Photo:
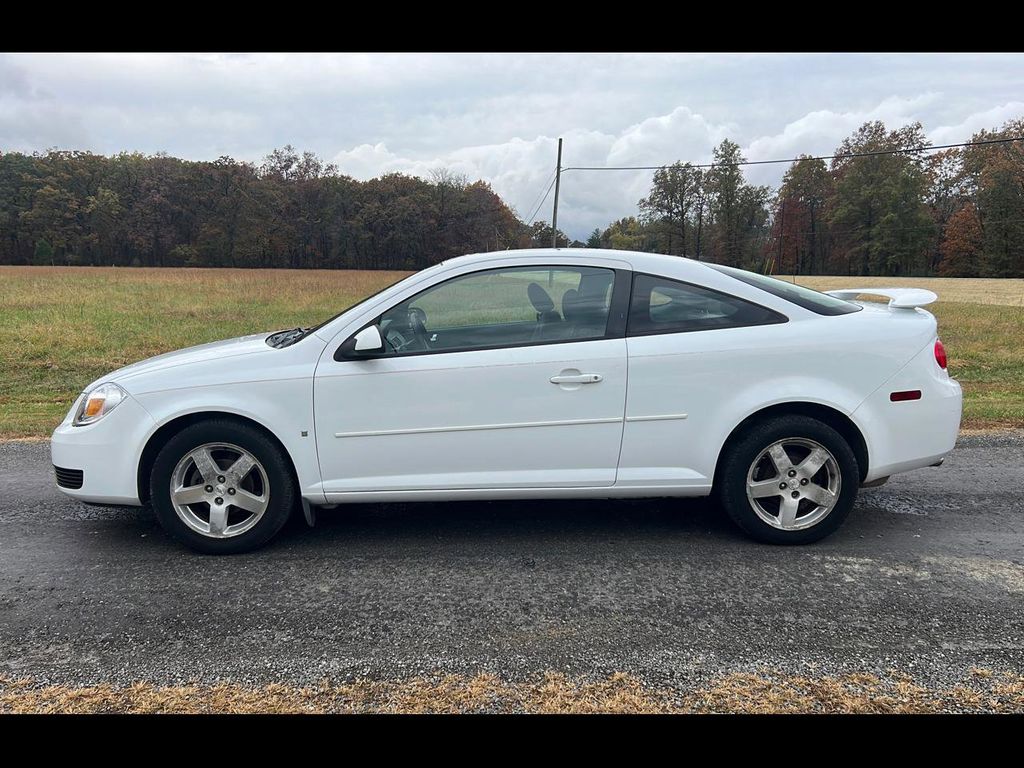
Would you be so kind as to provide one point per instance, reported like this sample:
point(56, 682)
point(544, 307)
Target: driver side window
point(502, 307)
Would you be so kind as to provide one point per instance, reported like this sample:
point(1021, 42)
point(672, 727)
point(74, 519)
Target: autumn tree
point(675, 209)
point(880, 223)
point(799, 234)
point(961, 244)
point(103, 211)
point(538, 235)
point(290, 210)
point(629, 234)
point(17, 187)
point(892, 210)
point(995, 177)
point(946, 194)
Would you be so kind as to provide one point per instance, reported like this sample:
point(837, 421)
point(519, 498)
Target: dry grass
point(65, 326)
point(985, 691)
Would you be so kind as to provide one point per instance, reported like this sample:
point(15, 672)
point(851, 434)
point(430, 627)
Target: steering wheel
point(418, 326)
point(409, 335)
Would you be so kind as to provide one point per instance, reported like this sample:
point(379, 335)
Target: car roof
point(640, 262)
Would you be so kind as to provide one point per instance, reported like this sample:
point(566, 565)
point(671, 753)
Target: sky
point(497, 117)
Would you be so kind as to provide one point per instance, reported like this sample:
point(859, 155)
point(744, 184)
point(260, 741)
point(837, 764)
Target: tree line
point(957, 212)
point(954, 213)
point(292, 210)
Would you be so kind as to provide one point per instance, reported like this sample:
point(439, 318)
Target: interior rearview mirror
point(367, 343)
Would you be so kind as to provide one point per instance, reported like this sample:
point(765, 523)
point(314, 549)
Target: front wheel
point(789, 480)
point(221, 487)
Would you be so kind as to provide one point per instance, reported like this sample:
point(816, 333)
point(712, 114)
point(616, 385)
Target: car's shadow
point(571, 520)
point(444, 526)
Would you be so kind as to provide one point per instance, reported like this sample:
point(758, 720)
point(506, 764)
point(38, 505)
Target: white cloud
point(520, 170)
point(820, 132)
point(679, 134)
point(496, 117)
point(989, 118)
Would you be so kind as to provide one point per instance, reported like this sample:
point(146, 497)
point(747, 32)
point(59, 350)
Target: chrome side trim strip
point(659, 417)
point(478, 427)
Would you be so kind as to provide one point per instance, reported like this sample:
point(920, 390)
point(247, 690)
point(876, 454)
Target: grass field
point(65, 326)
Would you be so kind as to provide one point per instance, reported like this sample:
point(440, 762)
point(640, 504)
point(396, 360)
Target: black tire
point(282, 492)
point(741, 453)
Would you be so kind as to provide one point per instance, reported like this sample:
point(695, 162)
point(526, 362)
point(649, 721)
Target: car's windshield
point(807, 298)
point(301, 333)
point(392, 284)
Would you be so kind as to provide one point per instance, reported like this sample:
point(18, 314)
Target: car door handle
point(577, 378)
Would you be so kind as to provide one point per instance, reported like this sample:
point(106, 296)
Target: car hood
point(214, 350)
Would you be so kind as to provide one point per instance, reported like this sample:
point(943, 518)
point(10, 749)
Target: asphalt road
point(927, 576)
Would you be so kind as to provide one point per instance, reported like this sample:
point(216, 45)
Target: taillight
point(940, 354)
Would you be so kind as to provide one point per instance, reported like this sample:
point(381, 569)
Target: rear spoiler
point(899, 298)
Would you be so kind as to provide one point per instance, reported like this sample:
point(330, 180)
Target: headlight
point(98, 403)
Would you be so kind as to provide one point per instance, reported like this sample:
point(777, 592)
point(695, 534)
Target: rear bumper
point(106, 453)
point(911, 434)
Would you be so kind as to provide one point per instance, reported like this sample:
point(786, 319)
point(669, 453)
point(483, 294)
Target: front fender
point(282, 407)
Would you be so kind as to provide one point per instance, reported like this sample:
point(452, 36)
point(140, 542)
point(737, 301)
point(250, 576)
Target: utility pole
point(782, 229)
point(554, 213)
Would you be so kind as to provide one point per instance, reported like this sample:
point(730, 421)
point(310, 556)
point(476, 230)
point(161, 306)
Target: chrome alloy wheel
point(220, 490)
point(793, 483)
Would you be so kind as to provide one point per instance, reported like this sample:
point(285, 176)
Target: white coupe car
point(548, 373)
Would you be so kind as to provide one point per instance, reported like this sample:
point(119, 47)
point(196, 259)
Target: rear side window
point(807, 298)
point(660, 305)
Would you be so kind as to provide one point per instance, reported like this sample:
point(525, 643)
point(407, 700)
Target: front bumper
point(107, 453)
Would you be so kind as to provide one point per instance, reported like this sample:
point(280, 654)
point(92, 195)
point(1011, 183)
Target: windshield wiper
point(286, 338)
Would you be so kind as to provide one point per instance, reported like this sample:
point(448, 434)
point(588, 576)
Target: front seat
point(587, 315)
point(571, 309)
point(548, 318)
point(589, 306)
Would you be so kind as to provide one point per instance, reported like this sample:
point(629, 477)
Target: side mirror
point(367, 343)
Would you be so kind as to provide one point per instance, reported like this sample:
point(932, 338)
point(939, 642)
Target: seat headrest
point(539, 298)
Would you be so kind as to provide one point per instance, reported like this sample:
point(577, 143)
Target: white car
point(568, 373)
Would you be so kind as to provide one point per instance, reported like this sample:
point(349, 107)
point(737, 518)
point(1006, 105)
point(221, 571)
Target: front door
point(504, 378)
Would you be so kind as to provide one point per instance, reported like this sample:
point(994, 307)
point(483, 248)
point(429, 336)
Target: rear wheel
point(221, 487)
point(789, 480)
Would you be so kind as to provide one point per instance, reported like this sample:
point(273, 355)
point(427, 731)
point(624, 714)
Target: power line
point(541, 203)
point(535, 205)
point(796, 159)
